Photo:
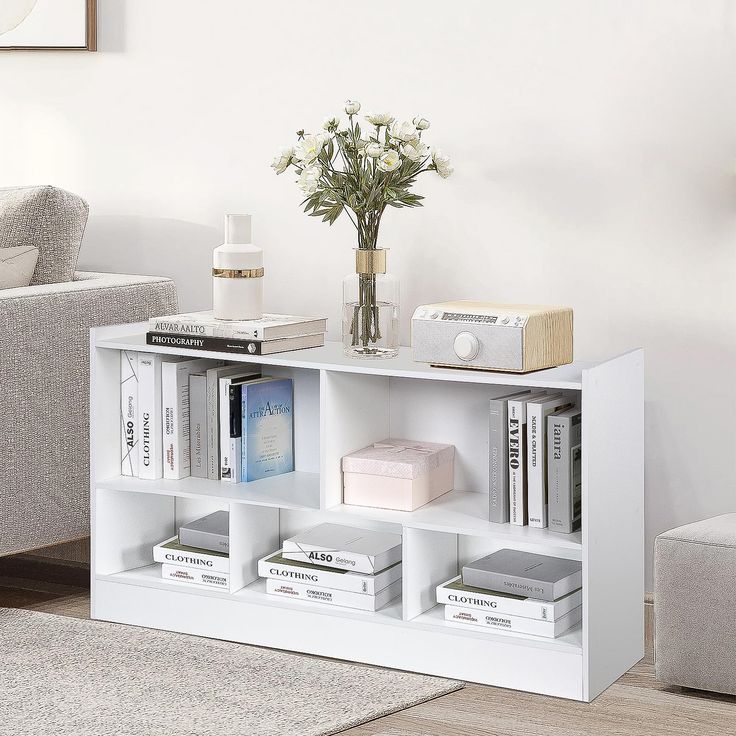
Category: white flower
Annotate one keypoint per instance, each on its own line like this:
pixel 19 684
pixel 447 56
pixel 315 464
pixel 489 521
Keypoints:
pixel 309 179
pixel 373 149
pixel 379 118
pixel 331 123
pixel 404 132
pixel 282 159
pixel 351 107
pixel 420 123
pixel 414 150
pixel 389 161
pixel 441 163
pixel 308 148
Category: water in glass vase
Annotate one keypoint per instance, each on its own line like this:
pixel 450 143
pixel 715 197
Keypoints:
pixel 370 331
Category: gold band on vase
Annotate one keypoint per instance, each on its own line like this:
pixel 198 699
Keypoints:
pixel 370 261
pixel 234 273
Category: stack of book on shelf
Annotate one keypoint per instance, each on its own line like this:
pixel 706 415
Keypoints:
pixel 273 333
pixel 336 565
pixel 535 461
pixel 200 554
pixel 516 592
pixel 201 417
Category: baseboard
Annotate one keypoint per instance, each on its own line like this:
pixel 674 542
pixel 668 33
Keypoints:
pixel 28 566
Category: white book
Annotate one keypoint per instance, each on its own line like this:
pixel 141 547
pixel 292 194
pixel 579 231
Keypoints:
pixel 150 422
pixel 454 593
pixel 213 413
pixel 175 412
pixel 515 624
pixel 279 568
pixel 328 596
pixel 129 413
pixel 173 552
pixel 195 576
pixel 537 412
pixel 198 425
pixel 517 458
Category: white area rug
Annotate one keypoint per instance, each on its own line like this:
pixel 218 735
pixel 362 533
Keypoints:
pixel 66 676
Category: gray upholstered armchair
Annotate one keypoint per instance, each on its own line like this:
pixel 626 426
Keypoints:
pixel 44 365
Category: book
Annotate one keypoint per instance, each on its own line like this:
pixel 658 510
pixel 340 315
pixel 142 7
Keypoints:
pixel 498 457
pixel 276 566
pixel 515 624
pixel 198 424
pixel 173 552
pixel 517 458
pixel 564 433
pixel 269 327
pixel 267 434
pixel 328 596
pixel 129 413
pixel 211 532
pixel 195 576
pixel 175 412
pixel 537 412
pixel 455 593
pixel 344 548
pixel 231 345
pixel 525 573
pixel 213 413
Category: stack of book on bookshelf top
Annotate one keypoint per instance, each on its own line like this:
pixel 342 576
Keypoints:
pixel 336 565
pixel 273 333
pixel 199 555
pixel 517 592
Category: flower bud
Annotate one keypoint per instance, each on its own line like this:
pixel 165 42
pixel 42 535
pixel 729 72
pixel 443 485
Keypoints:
pixel 351 107
pixel 420 123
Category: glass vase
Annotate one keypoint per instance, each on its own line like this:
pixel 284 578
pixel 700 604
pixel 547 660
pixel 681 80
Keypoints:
pixel 370 307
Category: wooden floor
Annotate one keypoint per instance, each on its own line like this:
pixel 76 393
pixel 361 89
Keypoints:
pixel 636 705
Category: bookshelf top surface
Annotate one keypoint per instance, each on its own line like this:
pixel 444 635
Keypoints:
pixel 331 357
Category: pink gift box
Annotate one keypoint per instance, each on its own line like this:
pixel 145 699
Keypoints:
pixel 398 474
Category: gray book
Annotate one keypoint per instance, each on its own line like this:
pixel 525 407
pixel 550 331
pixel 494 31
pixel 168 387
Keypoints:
pixel 211 532
pixel 498 458
pixel 524 573
pixel 564 473
pixel 198 424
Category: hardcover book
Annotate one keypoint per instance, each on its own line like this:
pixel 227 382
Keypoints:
pixel 173 552
pixel 269 327
pixel 454 593
pixel 276 566
pixel 345 548
pixel 537 412
pixel 525 573
pixel 267 428
pixel 564 470
pixel 515 624
pixel 498 457
pixel 211 532
pixel 198 424
pixel 517 458
pixel 307 592
pixel 128 413
pixel 195 576
pixel 232 345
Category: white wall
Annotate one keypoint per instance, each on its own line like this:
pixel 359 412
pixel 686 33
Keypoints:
pixel 594 145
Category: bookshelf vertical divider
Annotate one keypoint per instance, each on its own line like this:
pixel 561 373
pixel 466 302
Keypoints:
pixel 340 405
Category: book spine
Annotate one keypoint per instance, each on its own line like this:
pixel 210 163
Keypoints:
pixel 190 329
pixel 331 558
pixel 198 425
pixel 536 467
pixel 204 540
pixel 527 608
pixel 213 426
pixel 508 584
pixel 230 430
pixel 194 576
pixel 559 474
pixel 498 462
pixel 223 400
pixel 150 453
pixel 175 411
pixel 517 452
pixel 328 596
pixel 504 622
pixel 128 413
pixel 198 560
pixel 212 344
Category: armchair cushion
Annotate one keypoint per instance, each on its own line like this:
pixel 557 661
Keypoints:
pixel 46 218
pixel 17 265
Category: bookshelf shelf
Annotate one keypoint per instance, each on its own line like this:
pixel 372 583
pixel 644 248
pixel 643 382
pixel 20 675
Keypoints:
pixel 341 405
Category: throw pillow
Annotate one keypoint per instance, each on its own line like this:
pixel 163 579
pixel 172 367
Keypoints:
pixel 16 266
pixel 46 218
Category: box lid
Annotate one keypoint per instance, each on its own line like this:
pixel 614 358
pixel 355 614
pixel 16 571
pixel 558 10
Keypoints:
pixel 397 458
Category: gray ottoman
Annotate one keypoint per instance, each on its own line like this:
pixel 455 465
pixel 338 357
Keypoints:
pixel 695 605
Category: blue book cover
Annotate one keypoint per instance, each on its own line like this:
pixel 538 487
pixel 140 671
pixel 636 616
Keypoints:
pixel 267 429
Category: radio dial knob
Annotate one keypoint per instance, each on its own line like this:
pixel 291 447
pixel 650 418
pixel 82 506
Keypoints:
pixel 466 346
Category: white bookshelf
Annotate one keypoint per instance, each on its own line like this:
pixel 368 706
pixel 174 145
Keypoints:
pixel 341 405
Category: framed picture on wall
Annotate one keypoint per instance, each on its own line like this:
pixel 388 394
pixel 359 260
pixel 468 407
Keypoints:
pixel 27 25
